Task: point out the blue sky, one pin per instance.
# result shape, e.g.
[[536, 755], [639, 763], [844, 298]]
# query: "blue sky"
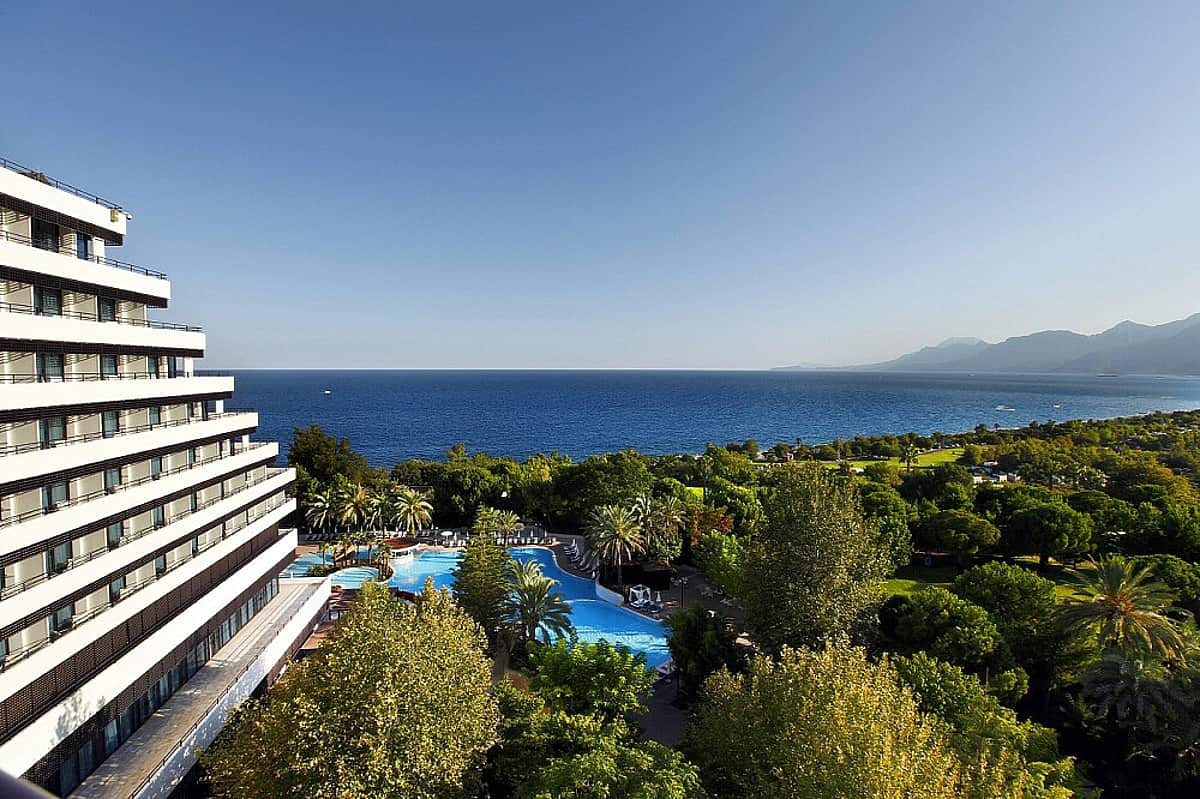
[[694, 184]]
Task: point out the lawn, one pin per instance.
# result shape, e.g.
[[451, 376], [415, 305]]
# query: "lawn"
[[924, 461], [915, 578]]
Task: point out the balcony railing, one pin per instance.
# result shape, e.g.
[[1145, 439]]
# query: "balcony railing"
[[58, 184], [89, 377], [76, 620], [129, 538], [31, 446], [62, 249], [88, 316], [34, 513]]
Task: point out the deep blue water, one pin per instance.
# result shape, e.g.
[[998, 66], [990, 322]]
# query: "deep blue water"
[[391, 415]]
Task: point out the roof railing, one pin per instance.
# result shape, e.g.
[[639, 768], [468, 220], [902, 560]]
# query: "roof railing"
[[42, 177]]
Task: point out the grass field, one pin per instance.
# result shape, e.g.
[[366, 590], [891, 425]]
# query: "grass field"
[[924, 461], [915, 578]]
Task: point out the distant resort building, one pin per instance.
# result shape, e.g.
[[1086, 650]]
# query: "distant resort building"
[[140, 537]]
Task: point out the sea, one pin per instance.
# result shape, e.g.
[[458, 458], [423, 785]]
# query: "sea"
[[395, 415]]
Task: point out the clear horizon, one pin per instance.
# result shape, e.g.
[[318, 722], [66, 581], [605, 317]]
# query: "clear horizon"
[[685, 186]]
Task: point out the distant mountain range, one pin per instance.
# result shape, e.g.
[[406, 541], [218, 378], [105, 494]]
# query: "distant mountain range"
[[1127, 348]]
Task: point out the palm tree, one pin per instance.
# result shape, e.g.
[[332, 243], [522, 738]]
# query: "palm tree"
[[507, 522], [347, 544], [1125, 608], [413, 510], [359, 507], [383, 554], [320, 509], [534, 606], [614, 534], [1130, 690], [660, 519]]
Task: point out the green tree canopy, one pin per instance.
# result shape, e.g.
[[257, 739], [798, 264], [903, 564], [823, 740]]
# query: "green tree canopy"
[[551, 754], [959, 532], [324, 457], [955, 630], [1049, 529], [722, 559], [481, 585], [1022, 605], [980, 723], [701, 644], [825, 724], [599, 679], [366, 716], [815, 568]]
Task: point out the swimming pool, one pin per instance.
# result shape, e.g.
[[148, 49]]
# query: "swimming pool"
[[300, 566], [593, 618]]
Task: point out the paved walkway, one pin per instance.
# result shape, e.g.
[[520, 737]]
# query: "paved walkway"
[[139, 758]]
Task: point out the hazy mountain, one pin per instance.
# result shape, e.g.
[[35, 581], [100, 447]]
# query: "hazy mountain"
[[1127, 348]]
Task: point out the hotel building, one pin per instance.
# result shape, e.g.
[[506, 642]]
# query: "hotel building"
[[140, 537]]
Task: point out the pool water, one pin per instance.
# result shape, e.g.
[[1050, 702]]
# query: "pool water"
[[354, 576], [300, 566], [593, 618]]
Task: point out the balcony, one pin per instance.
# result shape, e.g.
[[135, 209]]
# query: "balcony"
[[13, 589], [42, 592], [30, 393], [77, 451], [46, 192], [70, 252], [24, 749], [26, 323], [37, 525], [17, 251]]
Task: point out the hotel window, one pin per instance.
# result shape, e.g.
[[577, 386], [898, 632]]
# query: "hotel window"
[[158, 516], [112, 479], [156, 465], [110, 423], [52, 430], [49, 366], [115, 588], [152, 365], [155, 414], [114, 535], [83, 246], [108, 365], [160, 565], [106, 309], [60, 619], [58, 558], [111, 737], [47, 302], [53, 495], [45, 235]]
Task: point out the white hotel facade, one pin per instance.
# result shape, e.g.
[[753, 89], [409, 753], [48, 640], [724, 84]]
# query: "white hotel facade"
[[140, 537]]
